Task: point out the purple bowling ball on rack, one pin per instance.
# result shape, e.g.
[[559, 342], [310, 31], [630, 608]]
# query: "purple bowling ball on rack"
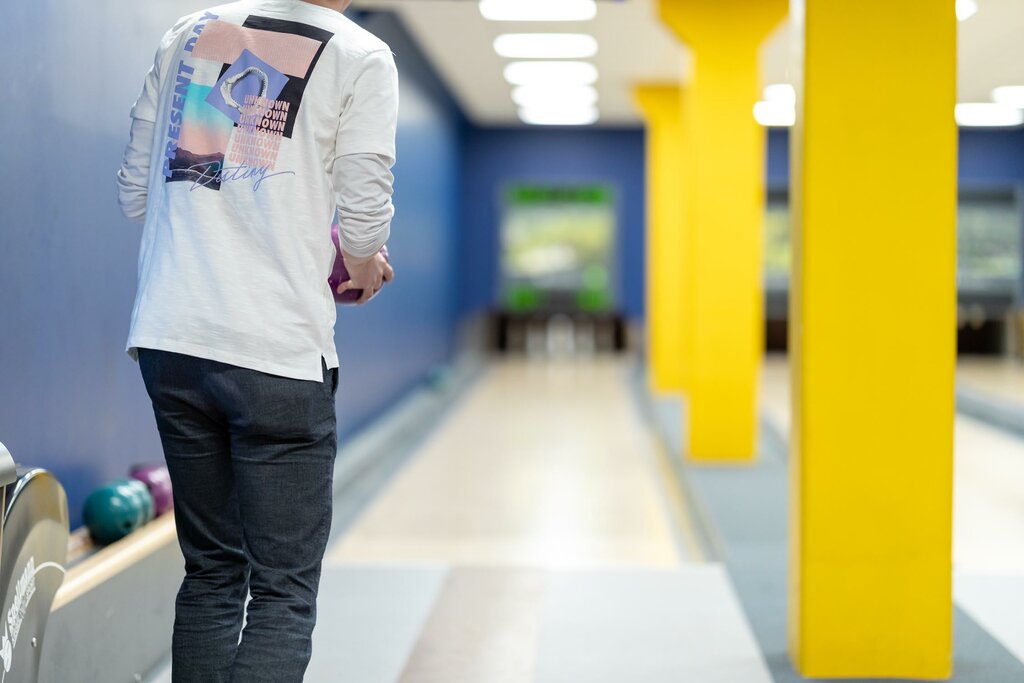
[[158, 481], [340, 272]]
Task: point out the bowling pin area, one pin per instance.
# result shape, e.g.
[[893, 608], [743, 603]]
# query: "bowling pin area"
[[703, 361]]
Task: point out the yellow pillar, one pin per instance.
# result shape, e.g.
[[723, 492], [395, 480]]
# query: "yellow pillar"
[[667, 251], [725, 213], [873, 333]]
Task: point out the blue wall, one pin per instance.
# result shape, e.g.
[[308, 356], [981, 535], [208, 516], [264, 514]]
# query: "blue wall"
[[991, 157], [493, 158], [777, 174], [388, 346], [70, 399], [988, 157]]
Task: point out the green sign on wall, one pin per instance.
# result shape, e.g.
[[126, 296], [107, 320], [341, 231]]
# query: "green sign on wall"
[[558, 245]]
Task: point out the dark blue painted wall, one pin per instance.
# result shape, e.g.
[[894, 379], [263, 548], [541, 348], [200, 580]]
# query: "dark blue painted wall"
[[70, 399], [777, 176], [492, 158], [388, 346], [991, 157], [988, 157]]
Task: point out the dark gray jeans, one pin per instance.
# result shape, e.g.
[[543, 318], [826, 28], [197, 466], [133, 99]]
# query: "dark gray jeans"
[[251, 458]]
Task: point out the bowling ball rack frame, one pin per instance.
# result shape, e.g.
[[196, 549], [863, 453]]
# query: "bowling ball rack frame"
[[33, 554], [105, 612]]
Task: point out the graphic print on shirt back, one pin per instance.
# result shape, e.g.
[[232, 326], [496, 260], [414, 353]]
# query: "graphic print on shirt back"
[[231, 128]]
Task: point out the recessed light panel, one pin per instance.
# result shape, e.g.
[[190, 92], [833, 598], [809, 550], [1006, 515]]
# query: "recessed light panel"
[[780, 93], [988, 115], [775, 114], [1009, 95], [545, 45], [965, 9], [559, 116], [551, 73], [538, 10], [540, 95]]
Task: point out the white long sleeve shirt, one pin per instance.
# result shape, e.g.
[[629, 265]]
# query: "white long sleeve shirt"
[[258, 121]]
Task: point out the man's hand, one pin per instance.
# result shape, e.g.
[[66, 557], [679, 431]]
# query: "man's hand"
[[368, 274]]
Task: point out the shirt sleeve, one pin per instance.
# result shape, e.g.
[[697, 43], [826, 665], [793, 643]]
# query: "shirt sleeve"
[[370, 108], [146, 105], [133, 176], [364, 185]]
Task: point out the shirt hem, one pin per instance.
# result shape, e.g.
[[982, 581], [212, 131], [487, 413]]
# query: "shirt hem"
[[230, 358]]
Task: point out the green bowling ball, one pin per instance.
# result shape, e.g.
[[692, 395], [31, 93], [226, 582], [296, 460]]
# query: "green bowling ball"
[[112, 512], [145, 498]]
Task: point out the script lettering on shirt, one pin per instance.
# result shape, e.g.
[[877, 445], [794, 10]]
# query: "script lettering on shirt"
[[212, 172]]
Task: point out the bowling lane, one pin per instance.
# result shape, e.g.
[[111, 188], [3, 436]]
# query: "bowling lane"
[[775, 391], [1001, 378], [534, 538], [988, 526], [988, 509], [989, 499], [542, 464], [989, 484]]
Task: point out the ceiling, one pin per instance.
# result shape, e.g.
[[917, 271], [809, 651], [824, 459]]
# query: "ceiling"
[[634, 47]]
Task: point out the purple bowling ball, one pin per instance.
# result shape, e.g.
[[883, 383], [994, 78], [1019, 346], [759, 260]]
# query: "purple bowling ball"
[[340, 272], [158, 481]]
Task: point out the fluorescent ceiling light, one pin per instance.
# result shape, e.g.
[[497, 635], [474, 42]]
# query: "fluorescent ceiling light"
[[988, 114], [780, 93], [778, 108], [551, 73], [559, 116], [538, 10], [1009, 95], [545, 45], [965, 9], [775, 114], [540, 95]]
